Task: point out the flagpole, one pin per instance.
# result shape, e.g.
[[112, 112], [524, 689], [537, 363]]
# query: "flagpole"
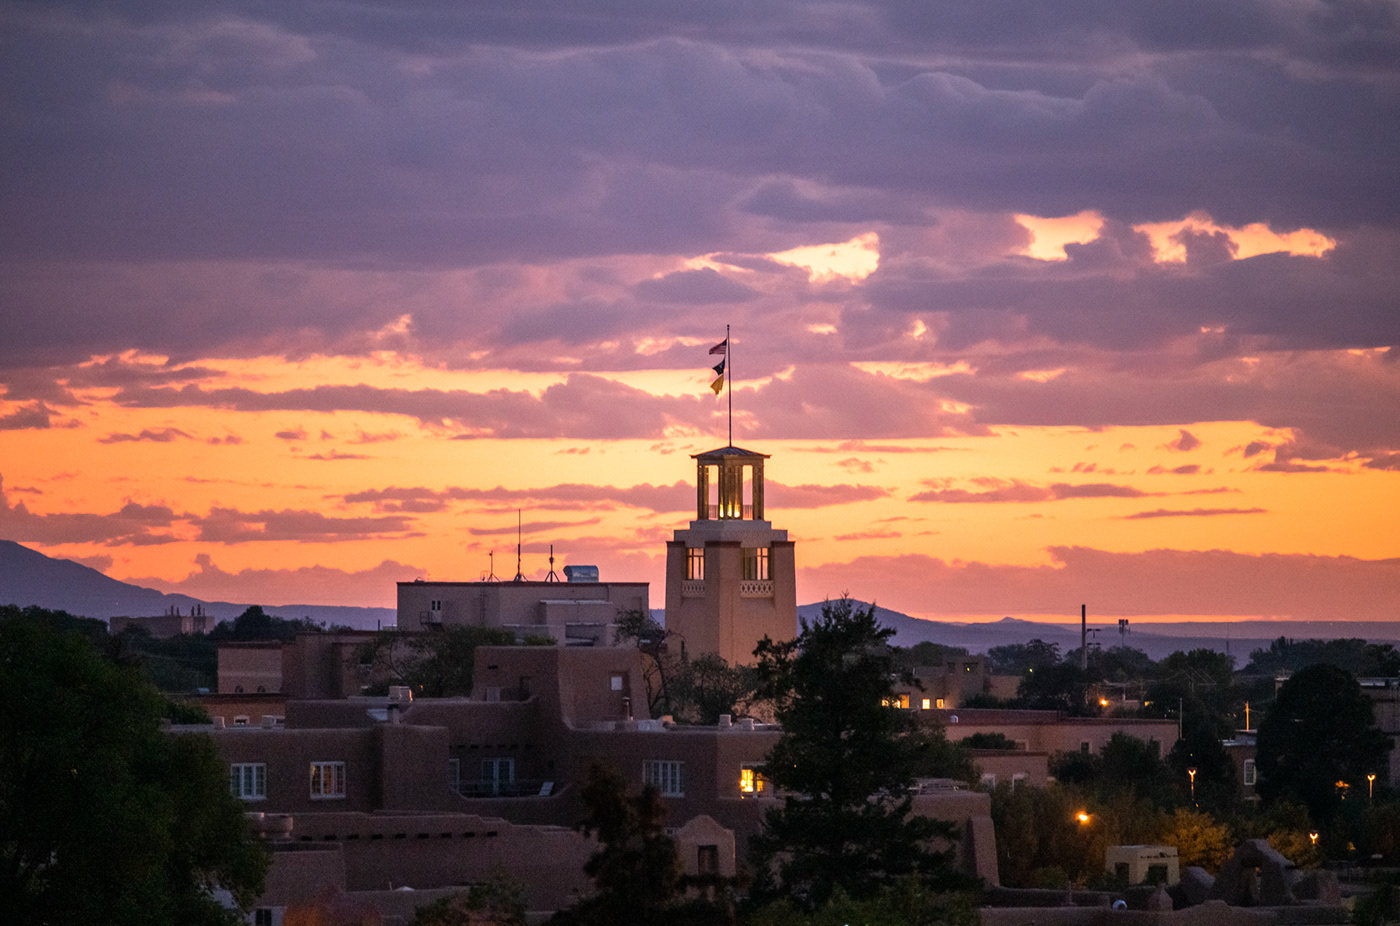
[[729, 371]]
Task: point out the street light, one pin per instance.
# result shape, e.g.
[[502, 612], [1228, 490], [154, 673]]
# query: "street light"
[[1192, 772], [1313, 837], [1370, 786], [1082, 817]]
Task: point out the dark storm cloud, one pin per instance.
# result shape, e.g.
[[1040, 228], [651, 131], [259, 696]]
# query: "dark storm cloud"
[[256, 133], [288, 179]]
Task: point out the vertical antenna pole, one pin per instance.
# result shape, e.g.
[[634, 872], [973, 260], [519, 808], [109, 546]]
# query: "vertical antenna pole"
[[519, 576], [729, 371]]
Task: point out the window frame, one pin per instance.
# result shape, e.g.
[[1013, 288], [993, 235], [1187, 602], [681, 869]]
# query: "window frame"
[[321, 771], [247, 781], [752, 781], [753, 564], [1249, 773], [695, 563], [666, 775]]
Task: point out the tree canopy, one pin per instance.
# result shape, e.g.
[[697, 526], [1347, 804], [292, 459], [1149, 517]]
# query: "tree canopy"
[[1318, 741], [104, 818], [845, 762]]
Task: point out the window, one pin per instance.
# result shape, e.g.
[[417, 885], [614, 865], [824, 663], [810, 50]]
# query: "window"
[[497, 776], [327, 780], [940, 704], [1084, 748], [753, 564], [667, 776], [242, 719], [695, 563], [615, 682], [435, 605], [1250, 775], [454, 774], [248, 780], [989, 780], [926, 704], [707, 860], [262, 916], [897, 701], [751, 780]]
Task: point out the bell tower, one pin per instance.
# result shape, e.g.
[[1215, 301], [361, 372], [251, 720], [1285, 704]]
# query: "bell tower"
[[730, 577]]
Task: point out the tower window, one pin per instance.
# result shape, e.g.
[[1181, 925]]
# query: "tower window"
[[695, 563], [754, 564]]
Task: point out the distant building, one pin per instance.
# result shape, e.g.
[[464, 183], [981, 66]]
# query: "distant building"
[[578, 612], [730, 576], [164, 626]]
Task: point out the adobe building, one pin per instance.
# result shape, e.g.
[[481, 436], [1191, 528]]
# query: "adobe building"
[[580, 611], [439, 793], [730, 577]]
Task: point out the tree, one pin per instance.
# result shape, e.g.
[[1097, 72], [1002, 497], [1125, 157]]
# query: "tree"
[[104, 818], [1020, 658], [636, 871], [497, 901], [256, 624], [433, 665], [1318, 741], [846, 761]]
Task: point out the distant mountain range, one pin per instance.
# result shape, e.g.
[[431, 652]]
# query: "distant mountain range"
[[1238, 638], [28, 577]]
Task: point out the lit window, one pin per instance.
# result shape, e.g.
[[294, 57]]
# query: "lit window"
[[242, 719], [327, 780], [926, 703], [667, 776], [695, 563], [1249, 773], [248, 780], [940, 704], [751, 780], [896, 701], [615, 683], [753, 564]]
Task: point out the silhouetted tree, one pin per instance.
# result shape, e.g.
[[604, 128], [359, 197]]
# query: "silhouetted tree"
[[104, 818], [845, 763], [1319, 731]]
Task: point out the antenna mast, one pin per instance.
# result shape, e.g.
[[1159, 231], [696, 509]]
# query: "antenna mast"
[[519, 576], [491, 573], [729, 372], [551, 577]]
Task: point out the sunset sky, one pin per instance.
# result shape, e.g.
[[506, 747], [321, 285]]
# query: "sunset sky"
[[1032, 304]]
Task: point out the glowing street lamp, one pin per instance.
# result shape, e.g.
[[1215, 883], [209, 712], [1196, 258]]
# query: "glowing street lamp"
[[1082, 817], [1313, 837], [1192, 772], [1370, 786]]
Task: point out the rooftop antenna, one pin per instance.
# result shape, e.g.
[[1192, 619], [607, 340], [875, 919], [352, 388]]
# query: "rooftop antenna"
[[551, 577], [491, 574], [519, 576]]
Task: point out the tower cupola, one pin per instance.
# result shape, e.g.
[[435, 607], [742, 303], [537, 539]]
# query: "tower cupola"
[[737, 479]]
